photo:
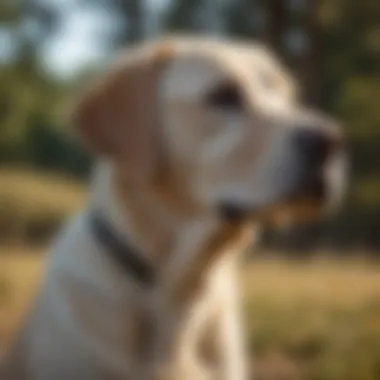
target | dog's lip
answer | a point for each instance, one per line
(312, 189)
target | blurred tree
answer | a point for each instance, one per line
(184, 15)
(32, 102)
(351, 89)
(25, 90)
(127, 17)
(333, 46)
(276, 24)
(245, 18)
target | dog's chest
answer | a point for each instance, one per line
(85, 319)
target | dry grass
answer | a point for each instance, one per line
(315, 321)
(19, 275)
(318, 321)
(328, 282)
(28, 193)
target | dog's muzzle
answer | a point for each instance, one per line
(296, 167)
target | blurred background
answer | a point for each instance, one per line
(313, 293)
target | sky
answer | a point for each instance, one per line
(76, 43)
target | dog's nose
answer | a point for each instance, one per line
(317, 144)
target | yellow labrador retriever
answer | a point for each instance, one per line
(199, 142)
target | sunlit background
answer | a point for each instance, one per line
(313, 293)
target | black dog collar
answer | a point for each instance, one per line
(123, 253)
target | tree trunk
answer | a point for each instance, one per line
(276, 23)
(310, 65)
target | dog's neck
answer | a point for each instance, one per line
(148, 220)
(160, 229)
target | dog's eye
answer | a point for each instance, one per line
(226, 96)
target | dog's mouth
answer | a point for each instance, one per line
(312, 193)
(314, 189)
(306, 198)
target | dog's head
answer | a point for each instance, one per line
(223, 119)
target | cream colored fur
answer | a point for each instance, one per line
(167, 158)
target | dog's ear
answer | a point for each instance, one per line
(117, 117)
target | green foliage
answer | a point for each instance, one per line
(244, 18)
(184, 15)
(33, 104)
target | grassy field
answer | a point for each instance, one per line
(317, 321)
(313, 321)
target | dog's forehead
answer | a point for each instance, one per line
(220, 49)
(196, 65)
